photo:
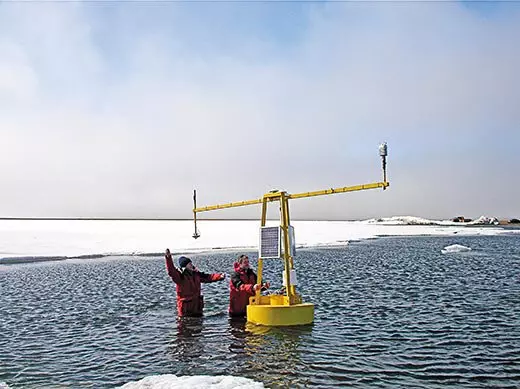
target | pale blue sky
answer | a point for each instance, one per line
(121, 109)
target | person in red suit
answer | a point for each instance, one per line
(190, 301)
(242, 286)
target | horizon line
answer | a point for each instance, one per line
(151, 219)
(206, 219)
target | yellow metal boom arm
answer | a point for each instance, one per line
(227, 205)
(274, 196)
(344, 189)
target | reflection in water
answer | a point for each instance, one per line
(189, 327)
(272, 353)
(186, 344)
(238, 335)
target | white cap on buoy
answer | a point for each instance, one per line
(383, 150)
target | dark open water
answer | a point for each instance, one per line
(391, 312)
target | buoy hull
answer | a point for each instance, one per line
(281, 315)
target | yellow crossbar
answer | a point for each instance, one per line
(272, 196)
(339, 190)
(228, 205)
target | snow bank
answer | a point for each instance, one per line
(34, 240)
(418, 221)
(170, 381)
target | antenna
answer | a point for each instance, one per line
(383, 153)
(196, 231)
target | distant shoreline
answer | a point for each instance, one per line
(168, 219)
(122, 219)
(86, 218)
(141, 219)
(502, 222)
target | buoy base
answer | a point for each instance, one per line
(269, 314)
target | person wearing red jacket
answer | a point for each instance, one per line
(190, 302)
(242, 286)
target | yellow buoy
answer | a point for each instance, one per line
(285, 309)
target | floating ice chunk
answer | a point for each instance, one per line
(455, 248)
(170, 381)
(3, 385)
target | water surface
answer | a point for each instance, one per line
(391, 312)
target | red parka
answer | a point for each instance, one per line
(189, 300)
(241, 287)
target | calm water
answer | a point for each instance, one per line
(391, 312)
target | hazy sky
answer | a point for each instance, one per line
(122, 109)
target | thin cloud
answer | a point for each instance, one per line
(121, 111)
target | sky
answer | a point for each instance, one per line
(121, 109)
